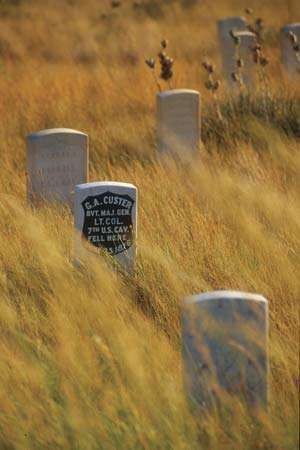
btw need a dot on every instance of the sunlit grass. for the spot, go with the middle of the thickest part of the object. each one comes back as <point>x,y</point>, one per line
<point>91,359</point>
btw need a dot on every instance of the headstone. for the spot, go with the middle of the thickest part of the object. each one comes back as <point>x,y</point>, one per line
<point>247,42</point>
<point>106,220</point>
<point>57,160</point>
<point>225,336</point>
<point>227,48</point>
<point>290,57</point>
<point>178,122</point>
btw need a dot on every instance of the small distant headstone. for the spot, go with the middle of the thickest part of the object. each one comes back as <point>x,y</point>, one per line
<point>57,160</point>
<point>248,41</point>
<point>178,122</point>
<point>106,220</point>
<point>225,337</point>
<point>290,55</point>
<point>227,48</point>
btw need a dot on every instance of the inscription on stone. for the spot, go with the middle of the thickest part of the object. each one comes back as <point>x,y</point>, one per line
<point>57,160</point>
<point>106,219</point>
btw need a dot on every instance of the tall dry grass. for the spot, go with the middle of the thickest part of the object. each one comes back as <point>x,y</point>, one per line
<point>91,359</point>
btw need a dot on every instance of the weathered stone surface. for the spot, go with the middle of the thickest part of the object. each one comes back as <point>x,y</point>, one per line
<point>236,23</point>
<point>178,122</point>
<point>225,337</point>
<point>228,49</point>
<point>106,220</point>
<point>290,57</point>
<point>57,160</point>
<point>248,40</point>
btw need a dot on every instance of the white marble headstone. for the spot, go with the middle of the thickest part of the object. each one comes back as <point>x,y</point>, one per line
<point>225,337</point>
<point>106,219</point>
<point>57,160</point>
<point>226,44</point>
<point>290,58</point>
<point>178,122</point>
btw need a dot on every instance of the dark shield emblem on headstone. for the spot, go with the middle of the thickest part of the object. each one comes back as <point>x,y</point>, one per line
<point>108,221</point>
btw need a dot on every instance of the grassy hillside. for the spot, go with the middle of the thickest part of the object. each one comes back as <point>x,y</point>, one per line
<point>91,359</point>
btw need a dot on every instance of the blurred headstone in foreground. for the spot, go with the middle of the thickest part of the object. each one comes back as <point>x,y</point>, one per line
<point>225,338</point>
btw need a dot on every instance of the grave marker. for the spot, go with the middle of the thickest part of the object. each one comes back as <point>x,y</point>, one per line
<point>178,122</point>
<point>106,219</point>
<point>225,335</point>
<point>230,52</point>
<point>248,41</point>
<point>290,57</point>
<point>57,160</point>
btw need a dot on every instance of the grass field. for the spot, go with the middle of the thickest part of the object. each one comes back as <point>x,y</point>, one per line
<point>91,359</point>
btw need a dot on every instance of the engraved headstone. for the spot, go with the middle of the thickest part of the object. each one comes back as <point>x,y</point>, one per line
<point>106,220</point>
<point>290,54</point>
<point>178,122</point>
<point>225,336</point>
<point>227,48</point>
<point>57,160</point>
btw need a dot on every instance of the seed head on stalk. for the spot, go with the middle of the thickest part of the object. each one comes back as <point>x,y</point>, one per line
<point>115,3</point>
<point>237,75</point>
<point>256,25</point>
<point>150,63</point>
<point>164,43</point>
<point>166,65</point>
<point>294,41</point>
<point>210,68</point>
<point>261,61</point>
<point>292,37</point>
<point>212,84</point>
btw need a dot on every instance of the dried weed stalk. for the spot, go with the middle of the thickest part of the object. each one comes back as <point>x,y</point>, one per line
<point>237,75</point>
<point>213,85</point>
<point>166,66</point>
<point>259,57</point>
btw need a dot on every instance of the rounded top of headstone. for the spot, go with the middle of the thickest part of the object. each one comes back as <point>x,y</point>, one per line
<point>106,184</point>
<point>54,131</point>
<point>224,295</point>
<point>171,92</point>
<point>242,33</point>
<point>291,26</point>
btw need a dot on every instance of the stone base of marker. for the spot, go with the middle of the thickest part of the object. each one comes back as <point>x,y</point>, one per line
<point>225,336</point>
<point>178,123</point>
<point>57,160</point>
<point>290,58</point>
<point>106,221</point>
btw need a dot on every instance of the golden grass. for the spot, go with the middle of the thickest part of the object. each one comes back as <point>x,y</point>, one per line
<point>91,359</point>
